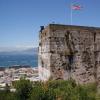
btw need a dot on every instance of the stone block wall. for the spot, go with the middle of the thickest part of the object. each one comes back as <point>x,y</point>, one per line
<point>70,52</point>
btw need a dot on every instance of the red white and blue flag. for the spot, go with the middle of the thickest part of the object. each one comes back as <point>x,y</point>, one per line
<point>76,7</point>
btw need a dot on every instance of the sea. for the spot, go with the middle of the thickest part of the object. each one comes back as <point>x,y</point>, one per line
<point>24,59</point>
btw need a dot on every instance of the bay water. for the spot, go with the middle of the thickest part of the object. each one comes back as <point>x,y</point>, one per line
<point>24,59</point>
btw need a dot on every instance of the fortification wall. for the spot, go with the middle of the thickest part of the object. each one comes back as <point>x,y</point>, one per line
<point>70,52</point>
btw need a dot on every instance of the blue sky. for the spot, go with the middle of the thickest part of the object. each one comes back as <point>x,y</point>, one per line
<point>20,20</point>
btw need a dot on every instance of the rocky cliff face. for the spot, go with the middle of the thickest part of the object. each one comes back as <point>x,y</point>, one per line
<point>70,52</point>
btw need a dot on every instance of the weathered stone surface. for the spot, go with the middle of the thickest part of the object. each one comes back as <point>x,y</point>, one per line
<point>70,52</point>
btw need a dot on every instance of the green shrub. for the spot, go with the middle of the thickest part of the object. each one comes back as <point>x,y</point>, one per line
<point>23,89</point>
<point>51,90</point>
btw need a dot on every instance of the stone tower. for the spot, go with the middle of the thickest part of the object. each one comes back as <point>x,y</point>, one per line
<point>67,51</point>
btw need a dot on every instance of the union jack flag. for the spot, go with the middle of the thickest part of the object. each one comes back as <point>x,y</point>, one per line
<point>76,7</point>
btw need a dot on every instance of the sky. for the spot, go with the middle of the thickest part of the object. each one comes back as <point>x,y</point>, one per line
<point>20,20</point>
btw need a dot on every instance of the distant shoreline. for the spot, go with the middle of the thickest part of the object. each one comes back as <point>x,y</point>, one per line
<point>16,67</point>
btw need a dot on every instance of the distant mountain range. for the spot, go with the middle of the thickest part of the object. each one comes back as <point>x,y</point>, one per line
<point>29,51</point>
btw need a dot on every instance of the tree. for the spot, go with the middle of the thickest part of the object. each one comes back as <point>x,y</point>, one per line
<point>7,88</point>
<point>23,89</point>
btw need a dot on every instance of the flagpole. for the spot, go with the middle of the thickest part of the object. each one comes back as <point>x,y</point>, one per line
<point>74,7</point>
<point>71,19</point>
